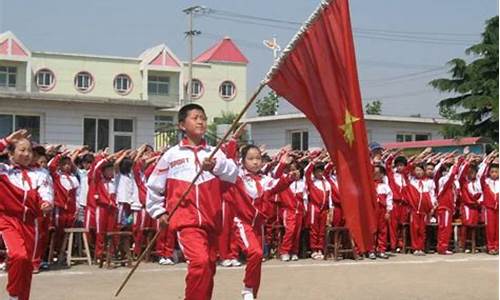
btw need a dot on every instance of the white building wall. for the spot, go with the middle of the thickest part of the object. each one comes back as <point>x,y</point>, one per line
<point>62,122</point>
<point>275,134</point>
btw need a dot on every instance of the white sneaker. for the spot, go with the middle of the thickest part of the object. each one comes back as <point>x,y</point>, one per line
<point>2,266</point>
<point>166,261</point>
<point>285,257</point>
<point>247,294</point>
<point>314,255</point>
<point>295,257</point>
<point>226,263</point>
<point>320,256</point>
<point>235,263</point>
<point>13,298</point>
<point>468,251</point>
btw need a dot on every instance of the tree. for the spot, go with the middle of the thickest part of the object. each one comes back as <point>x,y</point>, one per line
<point>225,118</point>
<point>475,87</point>
<point>268,106</point>
<point>374,107</point>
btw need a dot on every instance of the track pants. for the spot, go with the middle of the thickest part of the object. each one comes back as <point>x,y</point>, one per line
<point>20,240</point>
<point>292,221</point>
<point>445,229</point>
<point>380,243</point>
<point>399,215</point>
<point>250,240</point>
<point>491,223</point>
<point>317,229</point>
<point>200,249</point>
<point>106,221</point>
<point>417,230</point>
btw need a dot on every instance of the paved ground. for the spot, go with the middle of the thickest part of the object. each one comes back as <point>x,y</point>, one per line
<point>454,277</point>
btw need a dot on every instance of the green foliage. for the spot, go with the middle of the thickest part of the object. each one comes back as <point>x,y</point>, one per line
<point>225,118</point>
<point>374,107</point>
<point>474,87</point>
<point>268,105</point>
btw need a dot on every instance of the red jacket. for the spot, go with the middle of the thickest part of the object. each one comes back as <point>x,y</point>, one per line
<point>446,193</point>
<point>65,186</point>
<point>105,189</point>
<point>490,191</point>
<point>319,190</point>
<point>172,176</point>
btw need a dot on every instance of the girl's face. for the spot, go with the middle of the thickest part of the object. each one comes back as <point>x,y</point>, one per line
<point>42,161</point>
<point>108,172</point>
<point>400,168</point>
<point>66,167</point>
<point>493,173</point>
<point>419,172</point>
<point>22,154</point>
<point>253,160</point>
<point>429,170</point>
<point>377,175</point>
<point>472,174</point>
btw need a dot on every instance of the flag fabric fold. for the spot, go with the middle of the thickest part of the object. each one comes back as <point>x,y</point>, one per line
<point>317,74</point>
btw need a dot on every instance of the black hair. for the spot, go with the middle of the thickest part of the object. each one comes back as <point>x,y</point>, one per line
<point>107,164</point>
<point>473,167</point>
<point>184,111</point>
<point>430,163</point>
<point>247,148</point>
<point>420,165</point>
<point>126,166</point>
<point>300,167</point>
<point>400,160</point>
<point>87,158</point>
<point>320,166</point>
<point>493,166</point>
<point>446,166</point>
<point>266,158</point>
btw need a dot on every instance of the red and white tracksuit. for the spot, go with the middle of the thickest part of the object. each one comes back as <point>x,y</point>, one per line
<point>400,210</point>
<point>252,205</point>
<point>491,189</point>
<point>44,222</point>
<point>22,192</point>
<point>65,188</point>
<point>228,242</point>
<point>319,191</point>
<point>421,196</point>
<point>384,206</point>
<point>197,221</point>
<point>446,199</point>
<point>106,214</point>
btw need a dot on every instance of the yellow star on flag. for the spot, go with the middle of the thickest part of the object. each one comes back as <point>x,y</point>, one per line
<point>347,127</point>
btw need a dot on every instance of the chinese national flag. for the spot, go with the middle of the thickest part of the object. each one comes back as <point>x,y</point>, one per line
<point>319,77</point>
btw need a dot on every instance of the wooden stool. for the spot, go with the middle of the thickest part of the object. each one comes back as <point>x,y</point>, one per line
<point>406,238</point>
<point>149,233</point>
<point>69,239</point>
<point>277,233</point>
<point>124,242</point>
<point>456,236</point>
<point>52,244</point>
<point>474,231</point>
<point>342,242</point>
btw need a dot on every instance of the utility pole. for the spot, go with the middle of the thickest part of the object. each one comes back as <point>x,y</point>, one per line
<point>190,34</point>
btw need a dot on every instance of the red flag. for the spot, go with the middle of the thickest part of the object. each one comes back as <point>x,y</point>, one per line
<point>318,76</point>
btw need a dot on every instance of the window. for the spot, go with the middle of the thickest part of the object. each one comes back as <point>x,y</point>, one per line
<point>8,77</point>
<point>10,123</point>
<point>299,140</point>
<point>123,132</point>
<point>422,137</point>
<point>84,82</point>
<point>158,85</point>
<point>45,79</point>
<point>196,89</point>
<point>227,90</point>
<point>123,84</point>
<point>96,133</point>
<point>162,122</point>
<point>410,136</point>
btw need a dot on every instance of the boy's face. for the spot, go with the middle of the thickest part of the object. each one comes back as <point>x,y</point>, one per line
<point>108,172</point>
<point>42,161</point>
<point>86,165</point>
<point>493,173</point>
<point>429,170</point>
<point>377,174</point>
<point>318,174</point>
<point>66,167</point>
<point>472,174</point>
<point>195,124</point>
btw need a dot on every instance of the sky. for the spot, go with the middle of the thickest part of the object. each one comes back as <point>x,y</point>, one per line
<point>400,45</point>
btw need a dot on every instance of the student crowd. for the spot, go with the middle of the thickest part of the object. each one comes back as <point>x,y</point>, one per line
<point>44,187</point>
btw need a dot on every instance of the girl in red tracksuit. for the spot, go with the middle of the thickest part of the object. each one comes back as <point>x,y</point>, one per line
<point>384,208</point>
<point>336,205</point>
<point>65,187</point>
<point>25,194</point>
<point>420,192</point>
<point>491,189</point>
<point>292,201</point>
<point>252,204</point>
<point>106,206</point>
<point>320,193</point>
<point>446,199</point>
<point>471,193</point>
